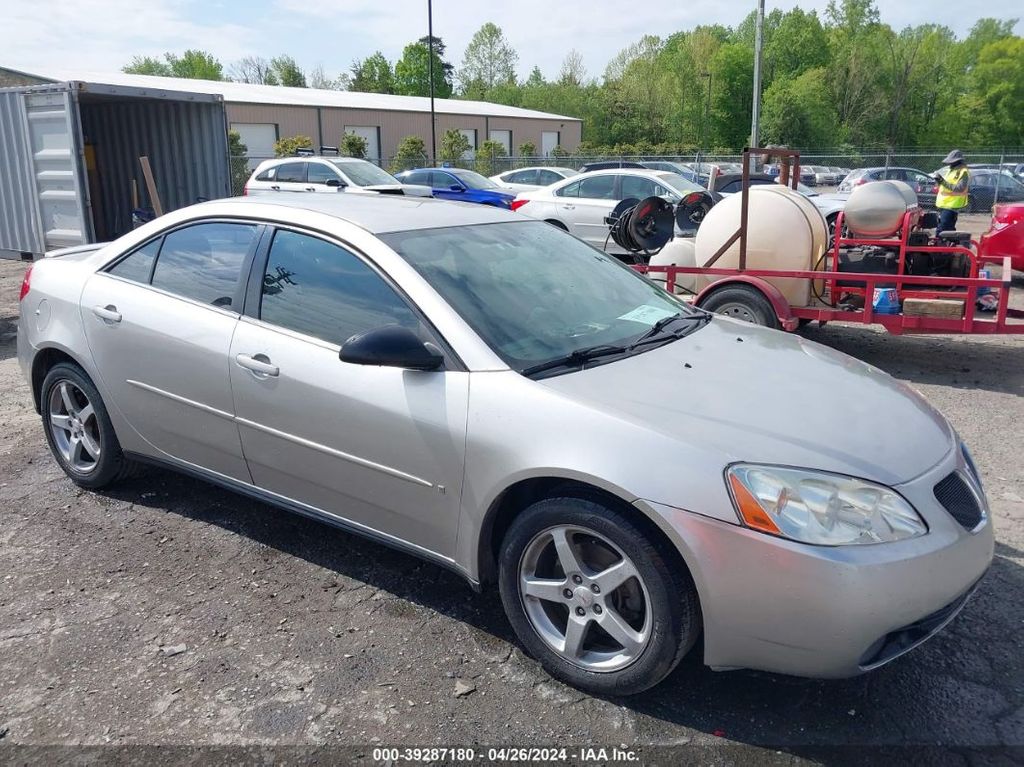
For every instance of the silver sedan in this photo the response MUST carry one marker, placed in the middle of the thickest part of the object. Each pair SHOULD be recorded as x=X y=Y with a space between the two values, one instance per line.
x=494 y=395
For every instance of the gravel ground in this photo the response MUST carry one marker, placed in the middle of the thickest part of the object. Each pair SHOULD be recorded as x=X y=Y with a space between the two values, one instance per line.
x=168 y=611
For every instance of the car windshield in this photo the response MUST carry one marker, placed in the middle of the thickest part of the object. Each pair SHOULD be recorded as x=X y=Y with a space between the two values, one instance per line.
x=680 y=184
x=534 y=293
x=472 y=179
x=363 y=173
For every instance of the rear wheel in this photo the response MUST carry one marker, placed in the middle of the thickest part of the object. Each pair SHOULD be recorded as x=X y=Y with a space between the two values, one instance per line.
x=600 y=604
x=78 y=429
x=742 y=302
x=558 y=224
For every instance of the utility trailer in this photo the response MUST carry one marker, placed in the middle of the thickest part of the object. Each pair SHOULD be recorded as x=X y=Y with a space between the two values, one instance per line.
x=846 y=296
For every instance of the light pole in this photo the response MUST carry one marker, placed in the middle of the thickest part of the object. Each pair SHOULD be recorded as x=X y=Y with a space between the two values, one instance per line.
x=430 y=76
x=758 y=41
x=707 y=116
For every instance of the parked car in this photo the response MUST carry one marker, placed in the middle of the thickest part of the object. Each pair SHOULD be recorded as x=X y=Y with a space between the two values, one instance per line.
x=459 y=184
x=528 y=179
x=682 y=169
x=610 y=164
x=326 y=174
x=466 y=394
x=986 y=185
x=823 y=175
x=580 y=205
x=922 y=183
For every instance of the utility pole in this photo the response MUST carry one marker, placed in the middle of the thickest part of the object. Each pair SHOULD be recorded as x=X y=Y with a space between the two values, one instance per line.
x=430 y=75
x=755 y=123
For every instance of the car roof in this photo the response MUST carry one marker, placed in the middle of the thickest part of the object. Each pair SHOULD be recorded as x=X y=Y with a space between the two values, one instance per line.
x=380 y=214
x=648 y=172
x=538 y=167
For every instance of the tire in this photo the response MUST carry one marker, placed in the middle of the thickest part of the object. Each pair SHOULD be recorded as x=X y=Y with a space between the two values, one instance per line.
x=557 y=225
x=82 y=440
x=657 y=601
x=742 y=302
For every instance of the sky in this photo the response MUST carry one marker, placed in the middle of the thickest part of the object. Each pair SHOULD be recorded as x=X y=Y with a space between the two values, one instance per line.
x=104 y=35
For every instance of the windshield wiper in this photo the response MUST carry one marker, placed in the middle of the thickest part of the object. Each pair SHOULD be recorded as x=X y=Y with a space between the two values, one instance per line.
x=575 y=358
x=656 y=329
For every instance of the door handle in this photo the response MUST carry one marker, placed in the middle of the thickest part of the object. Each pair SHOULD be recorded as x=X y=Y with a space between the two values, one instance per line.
x=569 y=207
x=257 y=365
x=310 y=188
x=275 y=187
x=108 y=313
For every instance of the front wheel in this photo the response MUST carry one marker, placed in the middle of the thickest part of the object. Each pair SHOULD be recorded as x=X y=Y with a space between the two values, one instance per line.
x=594 y=598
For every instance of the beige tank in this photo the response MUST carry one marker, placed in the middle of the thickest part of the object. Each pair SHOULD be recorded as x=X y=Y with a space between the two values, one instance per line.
x=784 y=231
x=876 y=209
x=679 y=252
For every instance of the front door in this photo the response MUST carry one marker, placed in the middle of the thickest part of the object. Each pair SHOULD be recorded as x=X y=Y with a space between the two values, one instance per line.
x=597 y=199
x=159 y=324
x=381 y=447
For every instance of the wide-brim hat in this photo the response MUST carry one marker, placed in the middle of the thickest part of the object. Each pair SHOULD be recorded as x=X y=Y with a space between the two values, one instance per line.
x=953 y=157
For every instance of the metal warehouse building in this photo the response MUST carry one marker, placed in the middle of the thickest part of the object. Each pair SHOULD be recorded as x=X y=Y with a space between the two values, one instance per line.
x=70 y=141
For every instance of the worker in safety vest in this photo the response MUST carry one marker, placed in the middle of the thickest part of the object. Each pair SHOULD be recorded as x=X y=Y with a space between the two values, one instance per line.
x=952 y=190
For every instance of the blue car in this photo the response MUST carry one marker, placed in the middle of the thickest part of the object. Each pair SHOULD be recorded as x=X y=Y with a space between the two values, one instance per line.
x=459 y=184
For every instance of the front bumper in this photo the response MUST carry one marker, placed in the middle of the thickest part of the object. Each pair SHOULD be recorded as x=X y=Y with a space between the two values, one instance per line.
x=819 y=611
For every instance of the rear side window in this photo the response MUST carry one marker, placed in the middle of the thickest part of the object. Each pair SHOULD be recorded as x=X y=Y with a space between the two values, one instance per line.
x=267 y=175
x=138 y=266
x=292 y=172
x=321 y=290
x=641 y=188
x=204 y=262
x=570 y=190
x=598 y=188
x=523 y=177
x=547 y=177
x=418 y=177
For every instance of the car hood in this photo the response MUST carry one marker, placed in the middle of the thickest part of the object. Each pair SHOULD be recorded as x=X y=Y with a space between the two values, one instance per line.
x=765 y=396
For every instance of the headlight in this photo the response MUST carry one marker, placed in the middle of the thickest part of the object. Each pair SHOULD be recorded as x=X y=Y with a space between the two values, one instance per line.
x=820 y=508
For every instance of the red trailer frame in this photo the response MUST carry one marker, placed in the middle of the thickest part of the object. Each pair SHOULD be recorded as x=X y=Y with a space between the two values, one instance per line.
x=966 y=289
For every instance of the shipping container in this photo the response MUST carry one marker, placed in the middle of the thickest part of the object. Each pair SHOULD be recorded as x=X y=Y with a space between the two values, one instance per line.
x=69 y=157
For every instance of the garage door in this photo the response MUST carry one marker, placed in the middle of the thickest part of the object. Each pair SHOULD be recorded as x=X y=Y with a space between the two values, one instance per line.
x=548 y=142
x=371 y=134
x=259 y=139
x=470 y=134
x=503 y=137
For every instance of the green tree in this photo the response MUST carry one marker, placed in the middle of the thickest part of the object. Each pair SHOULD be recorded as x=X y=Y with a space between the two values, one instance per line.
x=997 y=85
x=799 y=112
x=289 y=147
x=488 y=157
x=254 y=69
x=352 y=145
x=373 y=75
x=192 y=64
x=527 y=149
x=453 y=146
x=412 y=153
x=489 y=60
x=287 y=72
x=535 y=79
x=239 y=161
x=147 y=65
x=797 y=43
x=412 y=74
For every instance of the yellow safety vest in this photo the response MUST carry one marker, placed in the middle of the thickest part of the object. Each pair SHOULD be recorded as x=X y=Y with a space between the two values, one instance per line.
x=949 y=199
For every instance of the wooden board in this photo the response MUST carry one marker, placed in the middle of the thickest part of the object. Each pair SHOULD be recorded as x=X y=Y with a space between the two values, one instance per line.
x=933 y=307
x=147 y=175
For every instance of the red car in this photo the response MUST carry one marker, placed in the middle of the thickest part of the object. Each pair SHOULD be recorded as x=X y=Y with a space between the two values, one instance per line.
x=1005 y=236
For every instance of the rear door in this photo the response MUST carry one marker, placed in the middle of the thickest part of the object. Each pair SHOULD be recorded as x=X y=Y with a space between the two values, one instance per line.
x=597 y=197
x=378 y=446
x=53 y=136
x=159 y=324
x=291 y=177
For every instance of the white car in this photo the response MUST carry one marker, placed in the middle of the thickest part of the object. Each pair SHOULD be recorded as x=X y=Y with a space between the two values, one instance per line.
x=528 y=179
x=580 y=204
x=327 y=174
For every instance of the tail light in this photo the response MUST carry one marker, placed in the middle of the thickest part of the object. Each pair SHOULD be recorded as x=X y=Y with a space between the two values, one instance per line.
x=860 y=181
x=517 y=204
x=245 y=191
x=25 y=284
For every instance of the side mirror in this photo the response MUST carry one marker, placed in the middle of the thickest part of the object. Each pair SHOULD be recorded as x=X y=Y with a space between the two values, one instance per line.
x=457 y=188
x=335 y=182
x=391 y=346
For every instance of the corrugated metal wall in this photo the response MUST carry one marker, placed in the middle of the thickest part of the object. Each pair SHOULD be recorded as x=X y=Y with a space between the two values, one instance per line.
x=20 y=226
x=186 y=143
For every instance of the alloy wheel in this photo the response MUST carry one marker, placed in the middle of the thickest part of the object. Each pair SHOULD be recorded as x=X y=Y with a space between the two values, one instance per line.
x=585 y=598
x=74 y=426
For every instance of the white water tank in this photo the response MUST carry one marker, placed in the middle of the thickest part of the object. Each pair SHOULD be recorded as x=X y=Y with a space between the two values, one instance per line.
x=784 y=231
x=876 y=209
x=679 y=252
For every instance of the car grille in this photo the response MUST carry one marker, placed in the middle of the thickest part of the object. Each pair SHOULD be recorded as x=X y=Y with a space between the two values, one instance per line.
x=956 y=498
